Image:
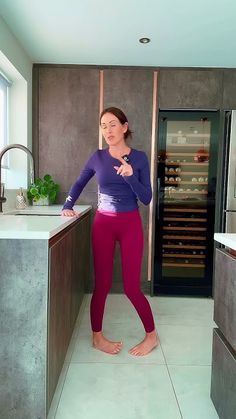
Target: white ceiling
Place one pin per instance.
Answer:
(184, 33)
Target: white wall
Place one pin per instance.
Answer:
(17, 65)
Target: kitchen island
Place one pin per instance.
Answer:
(223, 380)
(44, 269)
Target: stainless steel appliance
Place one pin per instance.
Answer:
(229, 210)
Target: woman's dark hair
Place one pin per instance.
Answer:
(121, 116)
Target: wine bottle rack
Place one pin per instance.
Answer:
(184, 228)
(184, 234)
(188, 227)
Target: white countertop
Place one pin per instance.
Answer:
(227, 239)
(36, 222)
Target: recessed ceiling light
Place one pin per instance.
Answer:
(144, 40)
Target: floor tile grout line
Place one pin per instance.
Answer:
(172, 385)
(60, 394)
(107, 324)
(188, 325)
(67, 361)
(173, 325)
(119, 363)
(141, 363)
(188, 365)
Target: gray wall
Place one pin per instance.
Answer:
(197, 89)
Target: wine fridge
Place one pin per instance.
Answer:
(186, 183)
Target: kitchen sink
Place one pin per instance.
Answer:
(38, 213)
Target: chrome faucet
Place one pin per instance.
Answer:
(21, 147)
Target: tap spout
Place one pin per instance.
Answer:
(27, 151)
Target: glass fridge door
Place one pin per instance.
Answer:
(187, 160)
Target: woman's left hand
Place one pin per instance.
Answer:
(125, 169)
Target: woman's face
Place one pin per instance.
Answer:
(112, 129)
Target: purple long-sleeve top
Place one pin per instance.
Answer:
(116, 193)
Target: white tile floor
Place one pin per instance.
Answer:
(172, 382)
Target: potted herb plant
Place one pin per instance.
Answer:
(43, 191)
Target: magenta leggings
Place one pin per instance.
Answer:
(126, 228)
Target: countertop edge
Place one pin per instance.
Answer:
(227, 239)
(69, 220)
(43, 233)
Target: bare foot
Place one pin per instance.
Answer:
(105, 345)
(147, 345)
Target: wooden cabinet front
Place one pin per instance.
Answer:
(68, 273)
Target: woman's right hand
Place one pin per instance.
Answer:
(69, 213)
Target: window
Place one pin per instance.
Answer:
(15, 110)
(4, 85)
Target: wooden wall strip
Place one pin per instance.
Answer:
(101, 105)
(152, 175)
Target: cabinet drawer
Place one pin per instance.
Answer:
(224, 295)
(223, 378)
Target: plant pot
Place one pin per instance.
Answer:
(41, 201)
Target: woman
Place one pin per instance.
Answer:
(123, 177)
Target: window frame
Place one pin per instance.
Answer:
(4, 118)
